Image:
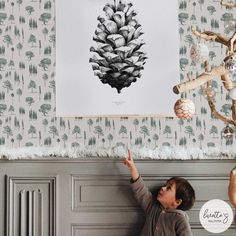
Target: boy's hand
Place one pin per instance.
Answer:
(129, 162)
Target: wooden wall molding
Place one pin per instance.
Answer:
(31, 200)
(95, 196)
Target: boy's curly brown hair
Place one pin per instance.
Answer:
(185, 192)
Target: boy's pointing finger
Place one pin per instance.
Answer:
(129, 155)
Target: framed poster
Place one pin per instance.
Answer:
(116, 57)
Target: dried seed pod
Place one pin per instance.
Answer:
(184, 108)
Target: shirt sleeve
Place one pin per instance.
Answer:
(183, 227)
(142, 194)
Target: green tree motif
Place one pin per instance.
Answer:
(200, 138)
(8, 40)
(90, 123)
(64, 138)
(53, 130)
(11, 18)
(203, 20)
(135, 123)
(189, 39)
(52, 39)
(167, 130)
(211, 9)
(110, 138)
(45, 63)
(181, 32)
(75, 145)
(201, 3)
(226, 109)
(19, 93)
(11, 64)
(153, 123)
(189, 131)
(45, 78)
(21, 110)
(32, 40)
(32, 86)
(47, 5)
(98, 130)
(32, 131)
(8, 131)
(183, 5)
(210, 144)
(3, 108)
(19, 139)
(7, 84)
(3, 62)
(29, 55)
(45, 108)
(183, 141)
(11, 110)
(183, 63)
(213, 131)
(52, 85)
(45, 17)
(123, 130)
(48, 141)
(155, 138)
(76, 131)
(29, 100)
(144, 130)
(45, 32)
(212, 55)
(193, 18)
(45, 124)
(3, 17)
(29, 9)
(19, 46)
(183, 17)
(19, 2)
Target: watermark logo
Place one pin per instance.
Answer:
(216, 216)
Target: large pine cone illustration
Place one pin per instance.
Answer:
(118, 58)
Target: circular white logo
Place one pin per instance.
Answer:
(216, 216)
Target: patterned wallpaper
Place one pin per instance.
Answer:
(28, 80)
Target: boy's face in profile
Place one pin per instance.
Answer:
(166, 195)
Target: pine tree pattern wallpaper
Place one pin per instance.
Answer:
(28, 80)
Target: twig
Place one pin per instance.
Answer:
(227, 4)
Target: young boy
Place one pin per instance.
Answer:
(165, 215)
(232, 190)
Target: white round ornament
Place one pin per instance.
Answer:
(230, 64)
(228, 132)
(184, 108)
(199, 53)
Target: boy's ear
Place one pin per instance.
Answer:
(178, 202)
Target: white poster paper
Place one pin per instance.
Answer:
(79, 89)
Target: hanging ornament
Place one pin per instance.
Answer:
(208, 92)
(228, 132)
(184, 108)
(232, 93)
(230, 63)
(199, 53)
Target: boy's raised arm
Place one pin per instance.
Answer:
(141, 192)
(129, 162)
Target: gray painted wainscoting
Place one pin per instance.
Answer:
(92, 197)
